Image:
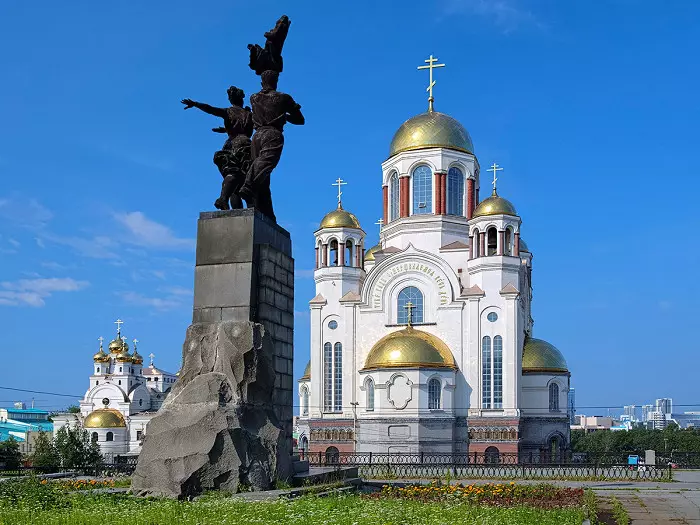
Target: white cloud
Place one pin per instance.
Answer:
(98, 247)
(150, 234)
(14, 242)
(33, 292)
(508, 15)
(28, 213)
(178, 291)
(40, 242)
(166, 302)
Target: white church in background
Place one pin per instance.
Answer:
(122, 398)
(425, 342)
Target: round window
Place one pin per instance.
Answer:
(333, 325)
(493, 317)
(105, 401)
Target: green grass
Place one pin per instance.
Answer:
(117, 510)
(619, 512)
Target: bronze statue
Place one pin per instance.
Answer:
(270, 57)
(271, 110)
(233, 160)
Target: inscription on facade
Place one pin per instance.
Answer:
(388, 275)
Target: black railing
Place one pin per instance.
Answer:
(682, 460)
(124, 468)
(477, 465)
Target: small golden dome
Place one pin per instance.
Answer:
(307, 373)
(541, 356)
(137, 358)
(494, 205)
(410, 348)
(104, 418)
(101, 356)
(369, 254)
(339, 218)
(523, 246)
(431, 130)
(124, 356)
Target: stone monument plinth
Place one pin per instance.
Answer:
(228, 418)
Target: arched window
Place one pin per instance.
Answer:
(455, 192)
(332, 455)
(95, 437)
(338, 378)
(334, 253)
(110, 436)
(394, 197)
(327, 377)
(348, 254)
(508, 248)
(412, 295)
(304, 401)
(553, 397)
(486, 372)
(422, 190)
(498, 372)
(475, 239)
(369, 393)
(491, 241)
(434, 394)
(491, 455)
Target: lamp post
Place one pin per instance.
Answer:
(354, 425)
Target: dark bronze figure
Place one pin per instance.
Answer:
(233, 160)
(271, 110)
(270, 57)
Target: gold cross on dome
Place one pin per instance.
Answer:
(340, 182)
(410, 306)
(431, 65)
(151, 356)
(135, 341)
(119, 324)
(101, 339)
(495, 168)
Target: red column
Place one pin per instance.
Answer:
(385, 197)
(443, 193)
(325, 255)
(501, 241)
(517, 245)
(403, 196)
(358, 251)
(470, 198)
(341, 254)
(317, 261)
(482, 244)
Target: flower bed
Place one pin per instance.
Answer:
(498, 495)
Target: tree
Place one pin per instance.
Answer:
(10, 456)
(45, 456)
(75, 448)
(73, 409)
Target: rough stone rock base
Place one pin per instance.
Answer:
(217, 429)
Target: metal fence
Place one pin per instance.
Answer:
(484, 466)
(122, 466)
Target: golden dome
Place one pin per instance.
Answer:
(104, 418)
(115, 346)
(494, 205)
(339, 218)
(369, 254)
(124, 356)
(101, 356)
(307, 372)
(431, 130)
(541, 356)
(137, 358)
(410, 348)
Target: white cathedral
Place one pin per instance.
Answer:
(122, 398)
(424, 342)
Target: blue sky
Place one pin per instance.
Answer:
(592, 109)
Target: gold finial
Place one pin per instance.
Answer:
(100, 339)
(431, 65)
(410, 306)
(119, 324)
(135, 341)
(340, 182)
(495, 168)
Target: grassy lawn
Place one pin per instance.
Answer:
(117, 510)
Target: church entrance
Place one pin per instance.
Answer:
(491, 455)
(332, 456)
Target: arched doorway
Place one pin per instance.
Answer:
(492, 455)
(303, 447)
(332, 456)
